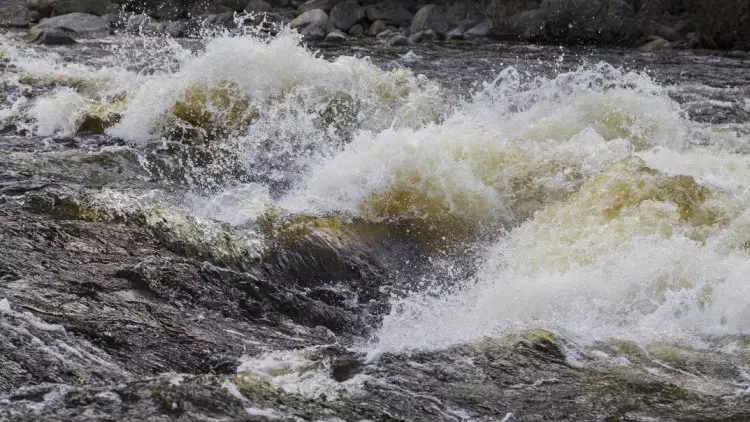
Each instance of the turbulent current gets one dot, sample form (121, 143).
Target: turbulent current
(591, 205)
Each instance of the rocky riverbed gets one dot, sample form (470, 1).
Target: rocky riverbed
(235, 225)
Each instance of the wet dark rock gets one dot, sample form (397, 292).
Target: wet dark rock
(579, 21)
(430, 17)
(258, 6)
(345, 14)
(357, 30)
(94, 7)
(487, 380)
(389, 11)
(377, 27)
(15, 15)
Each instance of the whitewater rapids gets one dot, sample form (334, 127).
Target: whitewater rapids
(604, 211)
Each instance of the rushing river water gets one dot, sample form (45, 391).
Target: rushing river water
(599, 195)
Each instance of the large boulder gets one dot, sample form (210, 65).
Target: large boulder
(430, 17)
(14, 15)
(77, 25)
(344, 15)
(389, 11)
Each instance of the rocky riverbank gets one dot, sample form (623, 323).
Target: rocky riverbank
(649, 25)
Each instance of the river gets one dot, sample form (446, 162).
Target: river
(248, 228)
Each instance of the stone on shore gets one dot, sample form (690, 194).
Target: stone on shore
(77, 25)
(14, 15)
(344, 15)
(430, 17)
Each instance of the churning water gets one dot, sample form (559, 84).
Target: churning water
(599, 202)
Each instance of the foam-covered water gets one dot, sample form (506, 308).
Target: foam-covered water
(610, 213)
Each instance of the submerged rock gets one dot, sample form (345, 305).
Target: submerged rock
(51, 36)
(212, 111)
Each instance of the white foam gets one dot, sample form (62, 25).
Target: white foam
(294, 372)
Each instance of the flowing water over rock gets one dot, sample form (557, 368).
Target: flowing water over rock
(246, 228)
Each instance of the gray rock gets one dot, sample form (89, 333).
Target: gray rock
(390, 11)
(50, 36)
(313, 33)
(657, 44)
(325, 5)
(315, 17)
(357, 30)
(312, 24)
(481, 30)
(455, 34)
(344, 15)
(80, 25)
(377, 27)
(398, 40)
(94, 7)
(15, 16)
(260, 6)
(336, 36)
(430, 17)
